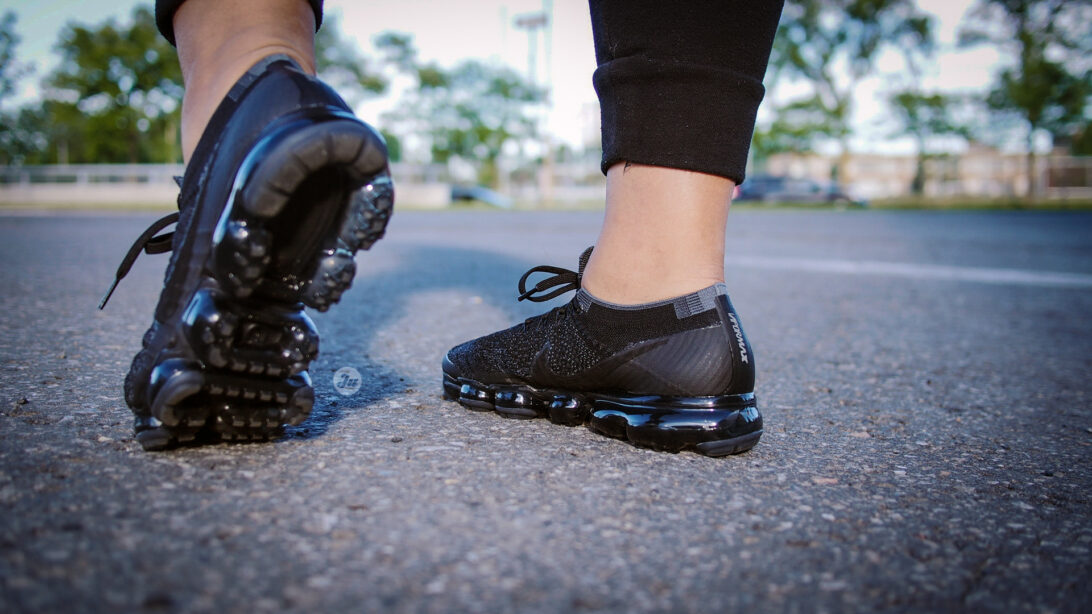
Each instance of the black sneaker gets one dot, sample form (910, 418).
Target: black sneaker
(283, 188)
(672, 375)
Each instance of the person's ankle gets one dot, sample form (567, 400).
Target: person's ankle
(205, 91)
(632, 287)
(217, 44)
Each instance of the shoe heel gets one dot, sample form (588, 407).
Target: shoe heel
(172, 396)
(307, 197)
(297, 149)
(713, 426)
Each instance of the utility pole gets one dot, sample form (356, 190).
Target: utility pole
(533, 22)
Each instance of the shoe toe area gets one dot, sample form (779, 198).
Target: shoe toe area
(448, 366)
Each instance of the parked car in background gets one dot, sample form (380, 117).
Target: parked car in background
(779, 189)
(480, 193)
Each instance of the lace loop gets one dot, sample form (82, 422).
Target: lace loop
(566, 279)
(148, 242)
(563, 280)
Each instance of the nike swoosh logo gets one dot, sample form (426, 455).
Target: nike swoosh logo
(542, 375)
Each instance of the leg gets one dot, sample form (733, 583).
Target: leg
(679, 89)
(663, 234)
(282, 186)
(219, 41)
(650, 349)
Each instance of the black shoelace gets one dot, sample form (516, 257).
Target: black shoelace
(150, 243)
(562, 280)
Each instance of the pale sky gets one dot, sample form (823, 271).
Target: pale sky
(447, 32)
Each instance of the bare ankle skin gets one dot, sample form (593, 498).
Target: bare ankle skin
(219, 40)
(663, 234)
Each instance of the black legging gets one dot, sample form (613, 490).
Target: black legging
(679, 83)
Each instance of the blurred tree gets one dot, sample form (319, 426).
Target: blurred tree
(925, 117)
(24, 136)
(394, 145)
(832, 45)
(1048, 83)
(1081, 145)
(12, 146)
(10, 70)
(115, 97)
(469, 112)
(795, 128)
(397, 50)
(341, 64)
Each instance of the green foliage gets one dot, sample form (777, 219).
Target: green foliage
(115, 95)
(11, 132)
(832, 45)
(394, 146)
(1081, 145)
(924, 117)
(796, 127)
(397, 50)
(10, 70)
(24, 136)
(341, 64)
(113, 98)
(471, 111)
(1048, 83)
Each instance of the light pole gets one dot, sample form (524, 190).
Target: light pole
(533, 22)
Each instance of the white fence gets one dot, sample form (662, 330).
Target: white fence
(154, 184)
(120, 184)
(977, 174)
(417, 185)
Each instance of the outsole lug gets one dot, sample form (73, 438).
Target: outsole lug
(241, 257)
(269, 342)
(334, 276)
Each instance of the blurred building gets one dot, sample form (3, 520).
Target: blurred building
(979, 172)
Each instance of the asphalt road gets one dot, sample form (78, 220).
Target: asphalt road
(926, 381)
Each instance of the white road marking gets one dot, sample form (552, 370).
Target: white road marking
(1018, 277)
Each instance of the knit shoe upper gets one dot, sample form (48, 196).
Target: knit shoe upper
(619, 367)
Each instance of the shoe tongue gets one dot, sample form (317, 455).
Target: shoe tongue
(584, 260)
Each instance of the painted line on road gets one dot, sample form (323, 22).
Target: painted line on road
(1018, 277)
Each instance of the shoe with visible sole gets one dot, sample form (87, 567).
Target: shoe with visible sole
(283, 189)
(673, 375)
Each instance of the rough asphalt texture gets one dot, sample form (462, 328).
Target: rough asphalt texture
(928, 438)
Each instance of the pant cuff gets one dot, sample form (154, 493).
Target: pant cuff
(686, 116)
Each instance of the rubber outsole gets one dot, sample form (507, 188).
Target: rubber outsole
(712, 426)
(311, 193)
